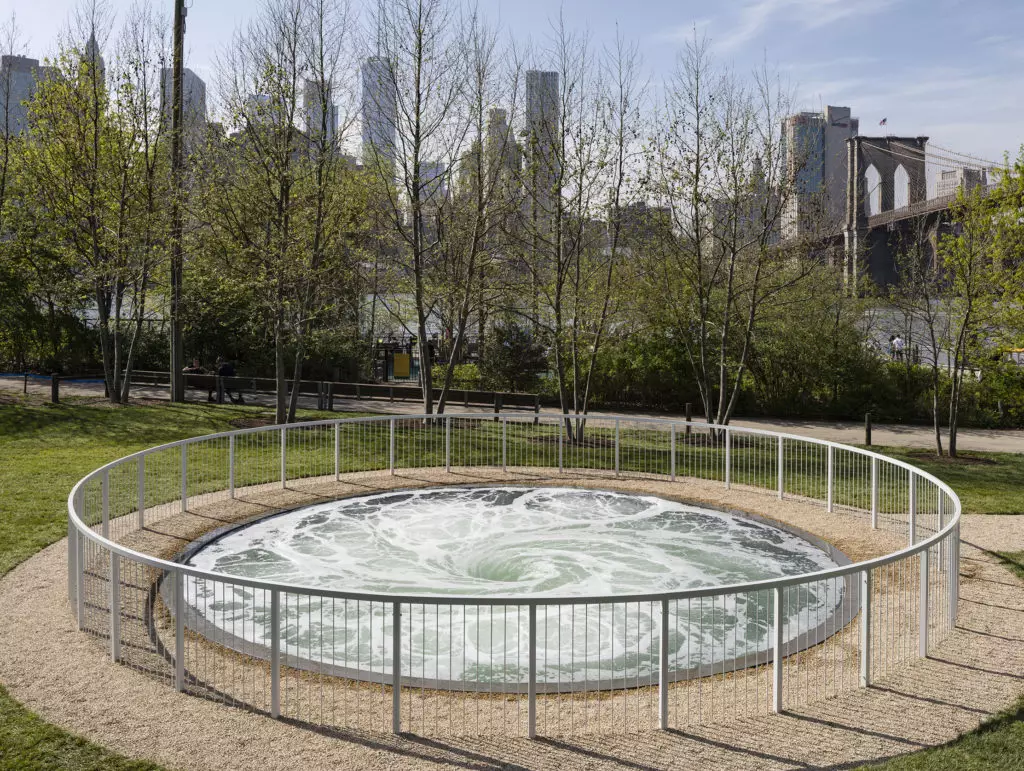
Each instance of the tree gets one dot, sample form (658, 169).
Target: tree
(511, 358)
(718, 168)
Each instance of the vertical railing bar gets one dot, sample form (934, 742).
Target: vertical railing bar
(504, 443)
(284, 456)
(912, 506)
(663, 681)
(275, 653)
(874, 493)
(115, 607)
(865, 628)
(231, 465)
(184, 477)
(179, 629)
(337, 451)
(391, 446)
(105, 494)
(531, 688)
(782, 460)
(448, 445)
(616, 446)
(728, 458)
(777, 654)
(80, 567)
(396, 667)
(672, 453)
(142, 491)
(830, 481)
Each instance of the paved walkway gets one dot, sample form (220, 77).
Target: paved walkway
(847, 432)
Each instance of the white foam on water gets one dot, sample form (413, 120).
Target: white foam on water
(511, 542)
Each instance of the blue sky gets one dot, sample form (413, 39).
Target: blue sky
(949, 69)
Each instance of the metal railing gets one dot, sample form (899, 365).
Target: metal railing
(521, 664)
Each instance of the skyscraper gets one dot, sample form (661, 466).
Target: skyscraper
(816, 166)
(193, 100)
(19, 79)
(92, 56)
(543, 125)
(313, 103)
(379, 109)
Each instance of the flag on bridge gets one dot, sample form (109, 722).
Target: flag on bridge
(883, 121)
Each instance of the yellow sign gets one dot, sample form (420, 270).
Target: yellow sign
(402, 362)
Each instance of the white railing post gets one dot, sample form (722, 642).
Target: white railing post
(922, 604)
(663, 681)
(616, 446)
(782, 467)
(73, 564)
(531, 688)
(391, 446)
(284, 458)
(504, 443)
(80, 567)
(142, 492)
(777, 650)
(115, 607)
(561, 439)
(830, 464)
(184, 477)
(953, 567)
(941, 516)
(448, 445)
(275, 653)
(337, 451)
(179, 630)
(105, 495)
(912, 512)
(672, 453)
(231, 465)
(728, 458)
(865, 628)
(396, 668)
(874, 493)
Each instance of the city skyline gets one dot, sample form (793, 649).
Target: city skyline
(941, 68)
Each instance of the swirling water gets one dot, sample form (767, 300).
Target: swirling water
(510, 542)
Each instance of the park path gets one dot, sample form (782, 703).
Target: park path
(847, 432)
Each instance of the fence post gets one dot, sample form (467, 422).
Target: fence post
(80, 567)
(391, 447)
(531, 688)
(396, 668)
(922, 603)
(105, 491)
(184, 477)
(865, 628)
(777, 654)
(728, 458)
(504, 443)
(953, 567)
(616, 446)
(672, 452)
(448, 445)
(337, 451)
(497, 406)
(561, 439)
(115, 607)
(941, 516)
(142, 491)
(54, 387)
(663, 669)
(830, 464)
(179, 630)
(689, 417)
(536, 409)
(912, 506)
(284, 458)
(330, 396)
(275, 653)
(231, 465)
(867, 429)
(782, 466)
(874, 493)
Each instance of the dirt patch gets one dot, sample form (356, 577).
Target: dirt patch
(959, 460)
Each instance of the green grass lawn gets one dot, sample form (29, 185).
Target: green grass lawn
(45, 449)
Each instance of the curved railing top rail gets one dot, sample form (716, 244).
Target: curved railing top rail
(524, 599)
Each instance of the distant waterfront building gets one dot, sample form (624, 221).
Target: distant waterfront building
(543, 127)
(379, 109)
(313, 104)
(816, 165)
(500, 148)
(951, 180)
(19, 79)
(193, 101)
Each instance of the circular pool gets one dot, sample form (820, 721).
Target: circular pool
(503, 544)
